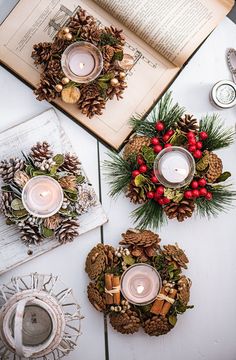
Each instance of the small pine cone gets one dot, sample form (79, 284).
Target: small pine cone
(134, 146)
(111, 258)
(187, 123)
(29, 233)
(95, 298)
(71, 164)
(117, 34)
(184, 285)
(86, 199)
(5, 203)
(215, 168)
(8, 168)
(34, 221)
(135, 194)
(42, 53)
(52, 222)
(181, 211)
(21, 178)
(45, 165)
(117, 91)
(91, 102)
(125, 323)
(41, 151)
(174, 253)
(157, 325)
(68, 182)
(95, 262)
(68, 231)
(108, 53)
(91, 33)
(145, 238)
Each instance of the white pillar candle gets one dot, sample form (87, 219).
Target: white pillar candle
(140, 284)
(174, 167)
(42, 196)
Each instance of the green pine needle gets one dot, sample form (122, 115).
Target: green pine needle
(164, 111)
(149, 215)
(118, 172)
(218, 136)
(222, 198)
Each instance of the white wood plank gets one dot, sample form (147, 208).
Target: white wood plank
(207, 331)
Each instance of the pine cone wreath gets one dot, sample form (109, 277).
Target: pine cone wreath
(41, 151)
(135, 194)
(95, 262)
(21, 178)
(68, 182)
(29, 233)
(8, 168)
(215, 168)
(135, 145)
(95, 297)
(71, 164)
(181, 210)
(125, 323)
(157, 325)
(184, 285)
(187, 123)
(86, 199)
(68, 231)
(52, 222)
(5, 203)
(91, 102)
(143, 238)
(174, 253)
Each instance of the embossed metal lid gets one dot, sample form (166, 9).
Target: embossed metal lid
(223, 94)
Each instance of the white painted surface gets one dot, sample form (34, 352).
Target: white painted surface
(208, 331)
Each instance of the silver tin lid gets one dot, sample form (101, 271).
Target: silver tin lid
(223, 94)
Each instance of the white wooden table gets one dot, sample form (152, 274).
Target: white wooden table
(208, 331)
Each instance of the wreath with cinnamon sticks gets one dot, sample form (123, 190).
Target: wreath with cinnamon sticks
(105, 266)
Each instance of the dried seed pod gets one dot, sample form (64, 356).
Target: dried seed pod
(70, 95)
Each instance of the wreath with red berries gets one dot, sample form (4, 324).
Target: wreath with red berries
(133, 171)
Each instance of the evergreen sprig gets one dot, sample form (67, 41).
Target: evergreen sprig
(118, 172)
(149, 215)
(222, 197)
(165, 111)
(218, 136)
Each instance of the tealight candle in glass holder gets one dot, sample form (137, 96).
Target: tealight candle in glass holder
(174, 167)
(82, 62)
(140, 284)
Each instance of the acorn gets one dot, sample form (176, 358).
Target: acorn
(114, 82)
(59, 87)
(65, 80)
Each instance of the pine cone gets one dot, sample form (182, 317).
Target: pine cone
(95, 297)
(21, 178)
(215, 168)
(86, 199)
(52, 222)
(181, 211)
(184, 285)
(135, 194)
(71, 164)
(117, 35)
(42, 52)
(157, 325)
(187, 123)
(143, 238)
(8, 168)
(135, 145)
(125, 323)
(29, 233)
(67, 232)
(91, 102)
(95, 262)
(41, 151)
(174, 253)
(117, 91)
(68, 182)
(91, 33)
(5, 203)
(111, 258)
(108, 53)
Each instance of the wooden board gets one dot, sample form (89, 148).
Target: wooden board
(44, 127)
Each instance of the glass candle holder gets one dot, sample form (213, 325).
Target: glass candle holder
(174, 167)
(140, 284)
(82, 62)
(42, 196)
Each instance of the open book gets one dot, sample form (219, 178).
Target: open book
(160, 34)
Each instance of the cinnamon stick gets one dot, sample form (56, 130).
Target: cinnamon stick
(108, 286)
(116, 285)
(166, 307)
(158, 304)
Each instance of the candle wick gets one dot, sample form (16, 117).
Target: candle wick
(81, 65)
(140, 289)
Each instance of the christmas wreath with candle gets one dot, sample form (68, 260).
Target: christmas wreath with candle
(167, 127)
(77, 196)
(90, 97)
(106, 265)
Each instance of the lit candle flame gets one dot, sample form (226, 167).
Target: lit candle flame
(81, 65)
(44, 193)
(181, 171)
(140, 289)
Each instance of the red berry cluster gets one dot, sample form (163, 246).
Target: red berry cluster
(198, 189)
(194, 145)
(161, 142)
(142, 166)
(158, 195)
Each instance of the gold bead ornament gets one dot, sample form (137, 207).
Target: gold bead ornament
(58, 87)
(68, 36)
(65, 80)
(65, 30)
(122, 75)
(114, 82)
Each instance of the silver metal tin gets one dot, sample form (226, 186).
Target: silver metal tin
(223, 94)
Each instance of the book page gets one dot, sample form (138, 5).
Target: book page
(37, 21)
(174, 28)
